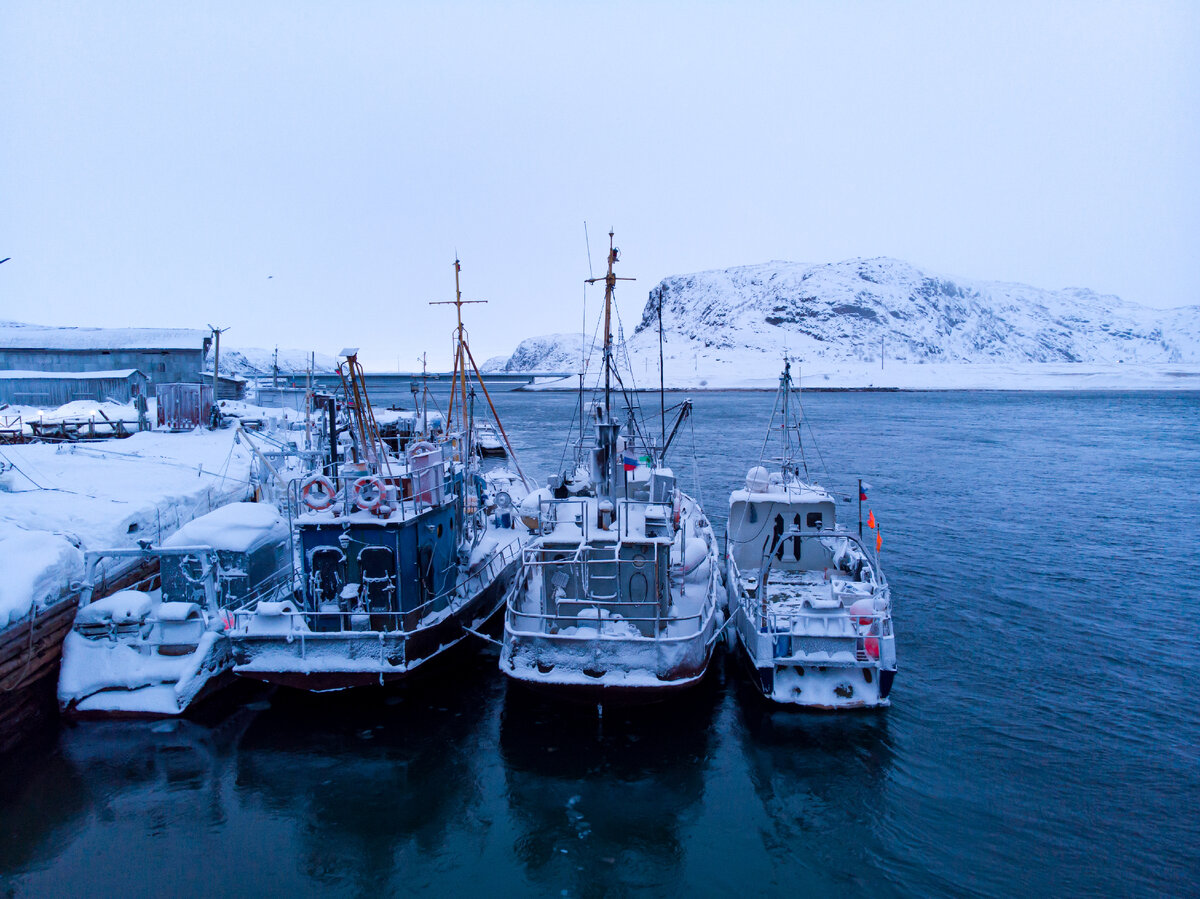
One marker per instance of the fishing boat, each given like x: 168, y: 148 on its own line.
x: 619, y: 595
x: 402, y: 555
x: 487, y: 440
x: 156, y: 649
x: 810, y: 606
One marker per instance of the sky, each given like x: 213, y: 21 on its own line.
x: 306, y: 173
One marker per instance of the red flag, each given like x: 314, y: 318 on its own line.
x: 878, y: 541
x: 870, y: 519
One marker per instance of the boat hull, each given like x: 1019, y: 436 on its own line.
x: 822, y: 687
x: 30, y: 652
x: 211, y: 671
x: 622, y: 671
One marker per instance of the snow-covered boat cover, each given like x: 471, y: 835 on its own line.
x: 237, y: 527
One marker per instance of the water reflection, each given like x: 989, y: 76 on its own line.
x: 370, y: 777
x: 600, y: 802
x: 822, y: 782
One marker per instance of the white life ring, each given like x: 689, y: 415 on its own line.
x: 318, y: 493
x: 369, y: 493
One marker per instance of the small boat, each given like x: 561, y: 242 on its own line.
x: 402, y: 556
x: 155, y: 651
x: 619, y: 596
x: 810, y: 606
x: 487, y: 441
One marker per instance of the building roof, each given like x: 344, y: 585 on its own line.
x: 120, y: 374
x: 35, y: 337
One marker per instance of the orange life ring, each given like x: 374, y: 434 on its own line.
x: 318, y: 493
x: 369, y: 493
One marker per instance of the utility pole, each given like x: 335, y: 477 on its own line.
x: 217, y: 332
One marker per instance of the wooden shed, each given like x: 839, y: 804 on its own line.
x: 54, y: 388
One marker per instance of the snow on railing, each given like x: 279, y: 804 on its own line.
x: 476, y: 581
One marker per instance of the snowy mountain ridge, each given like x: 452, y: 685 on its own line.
x: 735, y: 323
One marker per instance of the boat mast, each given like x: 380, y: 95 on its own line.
x: 608, y: 430
x: 459, y: 376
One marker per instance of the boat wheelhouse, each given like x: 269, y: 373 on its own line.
x: 810, y: 606
x: 155, y: 650
x: 618, y: 597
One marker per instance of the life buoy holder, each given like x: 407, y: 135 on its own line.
x: 318, y: 493
x: 369, y: 493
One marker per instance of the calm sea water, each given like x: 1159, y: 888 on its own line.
x: 1044, y: 736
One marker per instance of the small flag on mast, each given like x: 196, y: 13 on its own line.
x: 629, y: 462
x: 863, y: 487
x: 870, y: 519
x: 878, y: 541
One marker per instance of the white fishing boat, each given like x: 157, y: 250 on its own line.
x: 619, y: 594
x: 154, y: 651
x: 402, y: 556
x: 487, y: 440
x: 810, y: 606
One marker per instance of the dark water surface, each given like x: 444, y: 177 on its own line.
x: 1043, y: 556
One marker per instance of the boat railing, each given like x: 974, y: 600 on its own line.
x: 627, y: 507
x: 578, y: 567
x: 406, y: 621
x: 415, y: 490
x: 548, y: 515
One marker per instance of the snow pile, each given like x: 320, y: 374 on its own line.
x: 113, y: 494
x: 237, y: 527
x: 844, y: 320
x: 37, y: 569
x: 14, y: 335
x: 67, y: 375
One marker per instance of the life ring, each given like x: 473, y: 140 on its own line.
x: 318, y: 493
x: 369, y: 493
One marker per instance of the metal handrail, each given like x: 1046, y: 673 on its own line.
x: 411, y: 507
x: 504, y: 555
x: 706, y: 610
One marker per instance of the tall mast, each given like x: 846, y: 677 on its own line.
x: 607, y: 428
x: 610, y: 282
x: 459, y: 376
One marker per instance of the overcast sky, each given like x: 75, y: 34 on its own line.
x: 305, y: 173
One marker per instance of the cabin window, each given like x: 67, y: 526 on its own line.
x: 814, y: 520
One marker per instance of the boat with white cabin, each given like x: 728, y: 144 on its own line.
x: 810, y: 606
x: 619, y: 595
x: 155, y: 650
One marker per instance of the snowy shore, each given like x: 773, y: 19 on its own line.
x: 59, y: 500
x: 732, y: 374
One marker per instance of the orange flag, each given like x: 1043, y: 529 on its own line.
x: 870, y: 519
x: 878, y: 541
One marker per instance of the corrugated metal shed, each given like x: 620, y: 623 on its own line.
x: 182, y: 407
x: 51, y: 388
x: 163, y: 355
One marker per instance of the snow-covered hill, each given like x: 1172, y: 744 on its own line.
x: 255, y: 361
x: 731, y: 327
